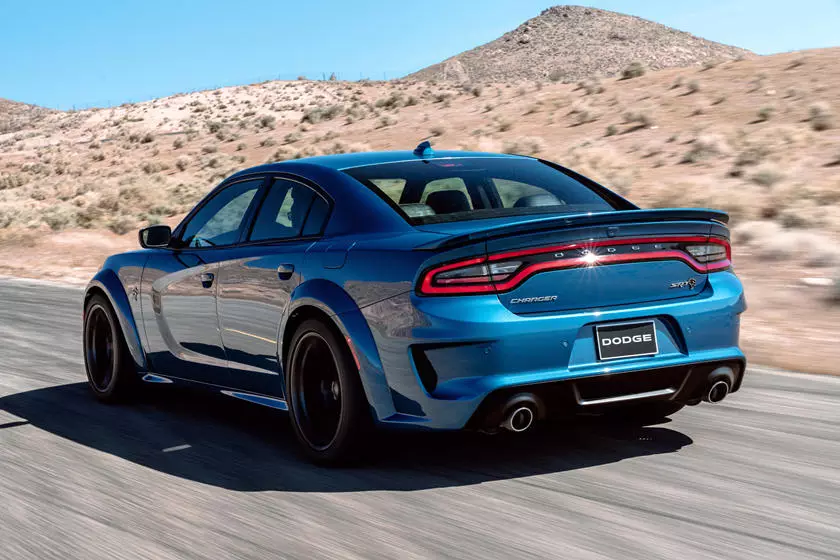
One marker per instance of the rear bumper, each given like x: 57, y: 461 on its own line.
x: 443, y: 357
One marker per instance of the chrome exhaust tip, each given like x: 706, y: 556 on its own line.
x: 519, y: 419
x: 717, y: 392
x: 720, y: 384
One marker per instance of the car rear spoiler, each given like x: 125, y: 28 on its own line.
x: 580, y: 220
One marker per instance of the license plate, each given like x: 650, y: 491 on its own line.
x: 626, y: 340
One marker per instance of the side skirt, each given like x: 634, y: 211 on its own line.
x: 271, y: 402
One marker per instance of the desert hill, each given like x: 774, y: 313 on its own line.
x: 570, y: 43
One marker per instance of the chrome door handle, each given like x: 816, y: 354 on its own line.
x: 285, y: 271
x: 207, y: 279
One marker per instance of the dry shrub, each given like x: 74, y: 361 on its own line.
x: 641, y: 117
x: 122, y: 224
x: 524, y: 145
x: 821, y: 116
x: 634, y: 70
x: 767, y: 175
x: 705, y: 147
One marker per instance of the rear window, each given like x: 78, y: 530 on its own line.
x: 450, y: 190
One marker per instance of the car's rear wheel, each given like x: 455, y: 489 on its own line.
x: 110, y: 373
x: 327, y: 405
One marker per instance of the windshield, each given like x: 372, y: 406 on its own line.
x: 451, y: 190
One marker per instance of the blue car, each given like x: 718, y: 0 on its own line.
x: 421, y: 289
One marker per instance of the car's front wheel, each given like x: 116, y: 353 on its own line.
x: 327, y: 405
x: 110, y: 372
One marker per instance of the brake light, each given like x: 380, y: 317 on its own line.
x: 503, y: 272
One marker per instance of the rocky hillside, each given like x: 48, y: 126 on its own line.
x: 570, y: 43
x: 16, y: 116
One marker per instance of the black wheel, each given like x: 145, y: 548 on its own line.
x: 110, y: 372
x: 327, y: 405
x: 645, y: 413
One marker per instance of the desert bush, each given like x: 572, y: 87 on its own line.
x: 612, y: 130
x: 591, y: 86
x: 393, y: 101
x: 386, y: 121
x: 267, y: 121
x: 346, y: 148
x: 525, y: 145
x: 292, y: 137
x: 503, y: 125
x: 122, y: 224
x: 151, y: 167
x: 584, y: 115
x: 147, y: 138
x: 59, y: 217
x: 318, y: 114
x: 834, y: 295
x: 710, y: 63
x: 214, y: 126
x: 767, y: 176
x: 556, y: 75
x: 765, y: 113
x: 241, y: 146
x: 182, y: 163
x: 634, y: 70
x: 267, y: 142
x: 88, y: 216
x: 705, y: 147
x: 209, y: 149
x: 693, y: 86
x: 437, y: 131
x: 178, y: 143
x: 821, y: 116
x: 12, y: 181
x: 641, y: 117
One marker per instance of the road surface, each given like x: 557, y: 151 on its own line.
x: 180, y: 475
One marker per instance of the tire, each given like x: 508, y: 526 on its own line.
x: 110, y: 370
x: 646, y: 413
x: 327, y: 406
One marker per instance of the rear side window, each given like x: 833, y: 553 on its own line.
x: 448, y: 190
x: 290, y: 210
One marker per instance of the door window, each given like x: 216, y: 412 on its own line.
x: 290, y: 210
x: 219, y: 222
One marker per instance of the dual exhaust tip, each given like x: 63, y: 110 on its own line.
x: 520, y: 413
x: 719, y: 384
x: 522, y: 410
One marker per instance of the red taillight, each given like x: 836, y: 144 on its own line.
x: 505, y: 271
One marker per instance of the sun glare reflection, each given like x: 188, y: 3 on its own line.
x: 590, y: 259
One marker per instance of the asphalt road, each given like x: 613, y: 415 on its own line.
x: 180, y: 475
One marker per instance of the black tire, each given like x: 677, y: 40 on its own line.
x: 327, y: 405
x: 110, y: 370
x: 646, y: 413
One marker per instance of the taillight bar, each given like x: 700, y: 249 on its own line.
x: 475, y: 275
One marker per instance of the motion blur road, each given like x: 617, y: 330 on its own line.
x: 181, y: 475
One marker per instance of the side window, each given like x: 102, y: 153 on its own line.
x: 219, y: 222
x: 287, y: 208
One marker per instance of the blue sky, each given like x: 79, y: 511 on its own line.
x: 97, y: 53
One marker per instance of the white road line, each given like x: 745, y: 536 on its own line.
x: 177, y: 448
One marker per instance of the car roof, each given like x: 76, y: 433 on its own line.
x: 360, y: 159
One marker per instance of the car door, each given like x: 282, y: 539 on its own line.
x: 180, y: 286
x: 255, y: 288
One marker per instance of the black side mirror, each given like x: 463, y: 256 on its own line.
x: 155, y: 236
